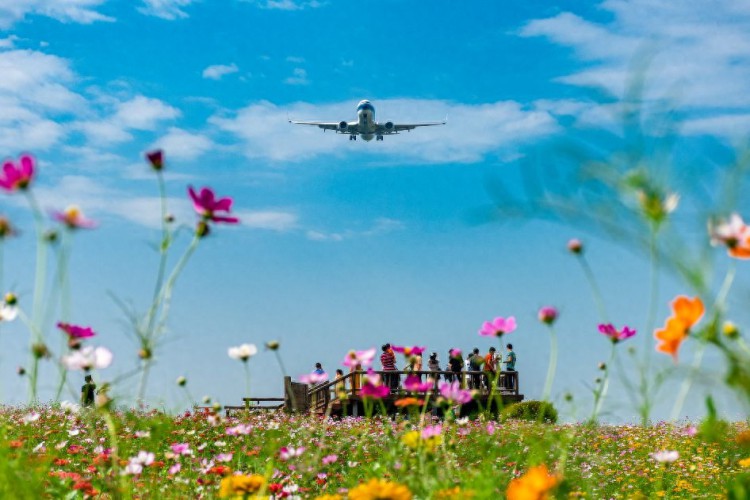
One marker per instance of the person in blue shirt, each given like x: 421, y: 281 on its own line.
x: 318, y: 369
x: 510, y: 367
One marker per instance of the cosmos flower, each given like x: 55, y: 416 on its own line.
x: 243, y: 352
x: 88, y: 358
x: 156, y: 159
x: 73, y: 218
x: 289, y: 452
x: 665, y: 456
x: 361, y: 358
x: 409, y: 401
x: 239, y: 429
x: 453, y: 393
x: 17, y: 177
x: 686, y: 312
x: 414, y: 384
x: 373, y: 386
x: 75, y: 331
x: 733, y: 233
x: 241, y: 485
x: 314, y: 378
x: 207, y: 206
x: 181, y: 449
x: 534, y: 485
x: 498, y: 327
x: 616, y: 335
x: 548, y: 315
x: 409, y: 351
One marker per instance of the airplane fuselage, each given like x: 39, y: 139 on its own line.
x: 366, y: 119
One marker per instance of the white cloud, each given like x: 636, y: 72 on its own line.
x: 271, y: 220
x: 299, y: 77
x: 295, y: 59
x: 165, y: 9
x: 76, y: 11
x: 8, y: 43
x: 144, y: 113
x: 217, y: 71
x: 699, y: 52
x: 183, y: 145
x: 473, y: 130
x: 287, y: 4
x: 380, y: 226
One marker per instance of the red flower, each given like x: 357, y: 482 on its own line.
x: 17, y: 177
x: 207, y: 205
x: 156, y: 158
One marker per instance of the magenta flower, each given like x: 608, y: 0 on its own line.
x: 17, y: 177
x: 432, y: 431
x: 75, y: 331
x: 455, y: 353
x: 207, y: 205
x: 181, y: 449
x: 73, y: 218
x: 414, y: 384
x: 287, y: 453
x: 362, y: 358
x: 373, y: 386
x: 498, y: 327
x: 409, y: 351
x: 453, y: 393
x: 614, y: 335
x: 329, y: 459
x: 314, y: 378
x: 548, y: 315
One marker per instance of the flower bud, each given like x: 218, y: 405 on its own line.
x: 202, y: 229
x: 568, y: 397
x: 51, y: 236
x: 169, y: 218
x: 181, y: 381
x: 598, y: 380
x: 6, y: 229
x: 575, y: 246
x: 11, y: 299
x: 216, y: 407
x: 156, y: 159
x: 145, y: 353
x: 730, y: 330
x: 602, y: 365
x: 40, y: 350
x: 547, y: 315
x: 206, y: 399
x: 273, y: 345
x: 21, y: 371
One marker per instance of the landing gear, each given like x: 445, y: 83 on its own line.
x: 352, y: 137
x: 379, y: 138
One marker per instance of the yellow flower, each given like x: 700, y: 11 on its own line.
x: 745, y: 462
x: 534, y: 485
x: 241, y: 485
x: 378, y: 489
x: 455, y: 493
x: 411, y: 439
x: 414, y: 440
x: 330, y: 497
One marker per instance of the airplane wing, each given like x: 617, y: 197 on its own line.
x: 340, y: 127
x: 395, y: 128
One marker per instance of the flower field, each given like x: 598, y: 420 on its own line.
x: 66, y: 452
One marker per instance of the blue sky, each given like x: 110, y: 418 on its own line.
x: 343, y: 244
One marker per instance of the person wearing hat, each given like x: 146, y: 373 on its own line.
x: 434, y: 365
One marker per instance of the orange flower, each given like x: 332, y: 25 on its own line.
x: 534, y: 485
x: 409, y: 402
x: 686, y: 312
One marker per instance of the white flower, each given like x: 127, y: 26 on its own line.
x: 224, y: 457
x: 88, y: 358
x: 243, y: 352
x: 665, y: 456
x: 243, y: 429
x: 40, y: 448
x: 69, y: 407
x: 73, y: 432
x: 31, y: 417
x: 132, y: 469
x: 8, y: 313
x: 136, y: 463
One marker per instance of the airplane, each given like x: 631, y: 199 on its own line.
x: 366, y: 126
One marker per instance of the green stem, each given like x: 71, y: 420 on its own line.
x: 595, y: 291
x: 552, y: 367
x: 600, y: 394
x: 163, y: 253
x: 247, y: 378
x: 39, y: 281
x: 64, y: 286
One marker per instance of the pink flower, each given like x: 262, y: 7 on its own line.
x: 432, y: 431
x: 373, y: 386
x: 734, y: 233
x: 156, y: 159
x: 224, y: 457
x: 454, y: 394
x: 239, y: 429
x: 548, y: 315
x: 614, y: 335
x: 73, y: 218
x: 181, y: 449
x: 174, y: 469
x: 414, y: 384
x: 290, y: 452
x: 361, y: 358
x: 498, y: 327
x: 75, y: 331
x: 455, y: 353
x: 575, y: 246
x: 491, y: 428
x: 665, y: 456
x: 329, y: 459
x: 314, y: 378
x: 409, y: 351
x: 17, y: 177
x: 207, y: 205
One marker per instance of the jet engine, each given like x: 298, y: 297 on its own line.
x: 389, y: 126
x: 343, y: 126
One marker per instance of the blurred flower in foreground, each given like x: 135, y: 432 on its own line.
x: 73, y: 218
x: 359, y: 358
x: 9, y: 307
x: 156, y: 159
x: 665, y: 456
x: 409, y: 351
x: 313, y: 378
x: 88, y: 358
x: 243, y: 352
x: 452, y: 392
x: 686, y: 312
x: 734, y: 233
x: 380, y: 489
x: 75, y: 331
x: 534, y: 485
x: 373, y: 386
x: 241, y: 485
x: 498, y: 327
x: 136, y: 463
x: 657, y: 205
x: 6, y: 228
x: 414, y: 384
x: 207, y: 205
x: 616, y: 335
x: 17, y: 177
x: 548, y: 315
x: 730, y: 330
